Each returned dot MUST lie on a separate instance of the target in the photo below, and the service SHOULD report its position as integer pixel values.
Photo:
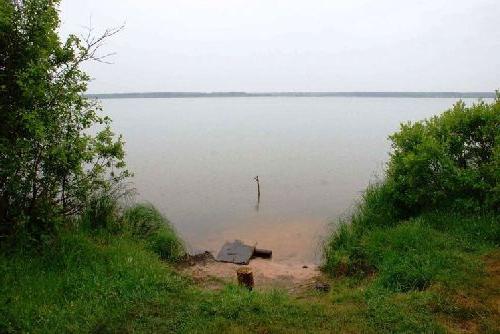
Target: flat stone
(235, 252)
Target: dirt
(268, 274)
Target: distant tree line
(475, 95)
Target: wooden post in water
(245, 277)
(258, 186)
(258, 192)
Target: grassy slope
(102, 284)
(115, 284)
(435, 272)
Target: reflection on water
(196, 159)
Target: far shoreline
(136, 95)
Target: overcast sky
(254, 45)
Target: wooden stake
(258, 186)
(245, 277)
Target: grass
(78, 284)
(435, 273)
(115, 283)
(145, 222)
(423, 274)
(84, 283)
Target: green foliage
(166, 244)
(417, 238)
(449, 160)
(144, 221)
(50, 164)
(343, 252)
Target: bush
(144, 221)
(377, 207)
(450, 163)
(50, 163)
(344, 254)
(451, 160)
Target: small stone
(305, 267)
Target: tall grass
(144, 221)
(106, 212)
(409, 254)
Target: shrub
(450, 160)
(377, 207)
(343, 253)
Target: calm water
(196, 158)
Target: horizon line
(188, 94)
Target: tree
(50, 163)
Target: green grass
(78, 284)
(104, 282)
(391, 275)
(413, 269)
(423, 274)
(83, 283)
(144, 221)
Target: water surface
(195, 159)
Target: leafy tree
(50, 162)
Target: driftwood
(245, 277)
(263, 253)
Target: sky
(276, 46)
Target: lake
(195, 159)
